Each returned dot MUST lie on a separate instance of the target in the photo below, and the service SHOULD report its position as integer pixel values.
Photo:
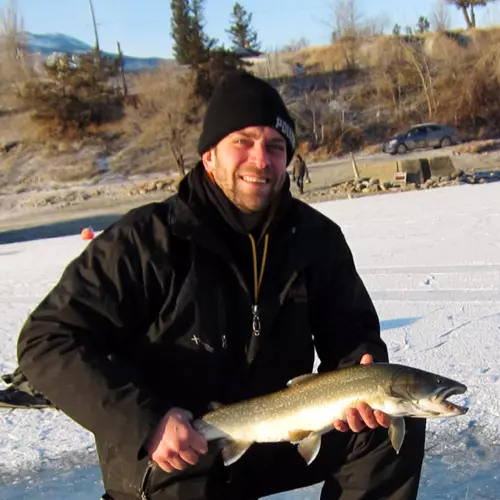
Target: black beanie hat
(243, 100)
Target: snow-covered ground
(431, 261)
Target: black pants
(361, 466)
(300, 184)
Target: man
(221, 293)
(300, 172)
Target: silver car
(424, 135)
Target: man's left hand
(363, 415)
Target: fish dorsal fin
(232, 451)
(213, 405)
(309, 447)
(300, 379)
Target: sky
(434, 277)
(143, 27)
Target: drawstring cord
(257, 277)
(257, 280)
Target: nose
(260, 155)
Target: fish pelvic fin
(309, 447)
(232, 451)
(296, 436)
(397, 431)
(300, 379)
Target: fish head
(426, 394)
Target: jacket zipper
(256, 320)
(145, 480)
(256, 323)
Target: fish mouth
(444, 393)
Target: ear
(208, 159)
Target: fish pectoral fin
(309, 447)
(397, 431)
(232, 451)
(298, 435)
(213, 405)
(300, 379)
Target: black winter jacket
(157, 312)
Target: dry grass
(372, 149)
(477, 147)
(323, 58)
(331, 57)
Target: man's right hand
(175, 444)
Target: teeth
(254, 179)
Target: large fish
(307, 407)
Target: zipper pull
(256, 320)
(224, 342)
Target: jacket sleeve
(344, 320)
(65, 347)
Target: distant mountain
(46, 44)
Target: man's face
(249, 166)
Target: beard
(250, 189)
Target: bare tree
(376, 25)
(13, 64)
(171, 112)
(421, 64)
(314, 111)
(295, 45)
(347, 29)
(440, 19)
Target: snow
(431, 262)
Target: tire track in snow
(436, 295)
(430, 269)
(441, 283)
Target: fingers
(197, 442)
(366, 359)
(340, 425)
(175, 444)
(177, 463)
(366, 415)
(181, 460)
(382, 418)
(356, 419)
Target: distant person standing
(300, 172)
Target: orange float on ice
(87, 233)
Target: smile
(254, 180)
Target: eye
(241, 141)
(276, 147)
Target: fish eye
(439, 380)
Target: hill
(47, 44)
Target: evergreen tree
(76, 92)
(396, 31)
(240, 30)
(180, 29)
(423, 25)
(191, 44)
